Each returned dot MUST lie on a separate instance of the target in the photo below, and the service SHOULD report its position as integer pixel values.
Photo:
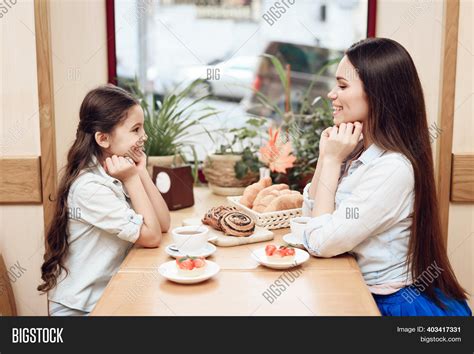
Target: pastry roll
(235, 223)
(213, 215)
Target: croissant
(266, 191)
(250, 193)
(285, 202)
(265, 201)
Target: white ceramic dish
(206, 251)
(171, 272)
(260, 256)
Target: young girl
(95, 225)
(373, 191)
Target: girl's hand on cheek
(342, 141)
(139, 156)
(120, 167)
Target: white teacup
(297, 226)
(190, 239)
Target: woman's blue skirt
(411, 302)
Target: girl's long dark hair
(102, 109)
(397, 122)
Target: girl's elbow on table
(149, 238)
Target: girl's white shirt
(102, 227)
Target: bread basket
(271, 220)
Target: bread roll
(250, 193)
(285, 202)
(265, 201)
(266, 191)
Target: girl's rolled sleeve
(99, 205)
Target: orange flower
(277, 154)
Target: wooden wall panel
(462, 178)
(46, 107)
(20, 180)
(446, 118)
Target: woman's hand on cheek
(120, 167)
(342, 140)
(323, 141)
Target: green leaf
(240, 169)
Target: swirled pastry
(235, 223)
(212, 216)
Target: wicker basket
(219, 170)
(271, 220)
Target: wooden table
(321, 286)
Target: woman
(373, 191)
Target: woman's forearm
(315, 180)
(326, 187)
(159, 205)
(151, 229)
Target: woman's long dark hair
(102, 109)
(397, 122)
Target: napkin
(260, 235)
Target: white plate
(292, 241)
(206, 251)
(260, 256)
(170, 272)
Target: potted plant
(304, 131)
(303, 122)
(246, 158)
(170, 123)
(235, 164)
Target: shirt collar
(97, 166)
(372, 152)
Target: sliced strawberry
(270, 250)
(185, 263)
(199, 262)
(284, 251)
(280, 252)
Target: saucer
(170, 272)
(260, 256)
(293, 241)
(206, 251)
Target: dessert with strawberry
(191, 266)
(281, 254)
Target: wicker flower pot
(219, 171)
